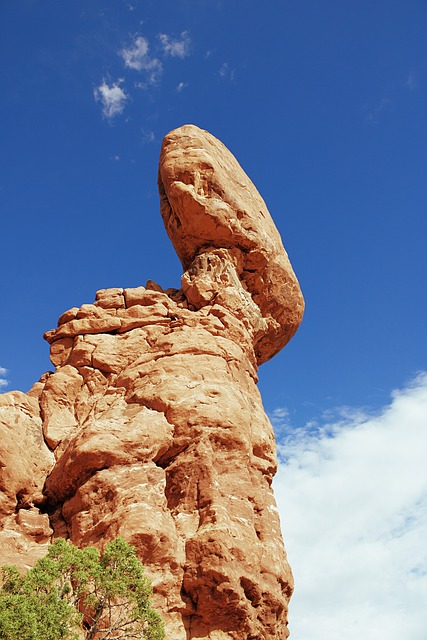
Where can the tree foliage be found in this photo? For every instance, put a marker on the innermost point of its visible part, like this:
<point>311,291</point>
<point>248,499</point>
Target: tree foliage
<point>74,593</point>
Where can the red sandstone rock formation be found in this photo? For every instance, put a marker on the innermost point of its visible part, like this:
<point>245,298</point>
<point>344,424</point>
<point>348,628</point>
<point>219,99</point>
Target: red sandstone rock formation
<point>152,426</point>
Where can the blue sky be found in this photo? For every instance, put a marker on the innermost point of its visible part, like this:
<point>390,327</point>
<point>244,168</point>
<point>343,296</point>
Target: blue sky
<point>324,104</point>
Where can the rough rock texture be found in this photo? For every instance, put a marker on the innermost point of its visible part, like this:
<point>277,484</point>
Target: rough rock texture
<point>225,238</point>
<point>25,461</point>
<point>152,426</point>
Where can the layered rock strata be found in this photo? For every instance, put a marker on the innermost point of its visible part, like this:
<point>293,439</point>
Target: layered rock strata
<point>152,426</point>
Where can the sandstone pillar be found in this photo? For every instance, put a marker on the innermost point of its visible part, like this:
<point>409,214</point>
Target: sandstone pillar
<point>153,426</point>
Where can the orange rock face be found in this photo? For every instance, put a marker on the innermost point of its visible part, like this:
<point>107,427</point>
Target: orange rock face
<point>225,238</point>
<point>152,426</point>
<point>25,462</point>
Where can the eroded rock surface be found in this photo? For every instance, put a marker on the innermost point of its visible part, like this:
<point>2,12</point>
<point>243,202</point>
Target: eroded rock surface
<point>225,238</point>
<point>152,426</point>
<point>25,462</point>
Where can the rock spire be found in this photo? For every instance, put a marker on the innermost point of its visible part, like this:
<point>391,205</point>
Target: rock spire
<point>152,426</point>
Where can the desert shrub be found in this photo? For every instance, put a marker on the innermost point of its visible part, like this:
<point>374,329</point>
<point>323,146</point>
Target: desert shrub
<point>76,593</point>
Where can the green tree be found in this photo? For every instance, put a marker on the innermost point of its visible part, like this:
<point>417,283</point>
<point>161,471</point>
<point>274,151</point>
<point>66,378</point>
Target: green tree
<point>77,593</point>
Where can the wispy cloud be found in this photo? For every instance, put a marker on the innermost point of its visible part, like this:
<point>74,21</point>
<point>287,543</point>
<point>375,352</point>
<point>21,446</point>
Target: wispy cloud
<point>3,381</point>
<point>181,85</point>
<point>175,48</point>
<point>137,57</point>
<point>226,72</point>
<point>411,81</point>
<point>374,110</point>
<point>147,136</point>
<point>112,98</point>
<point>353,501</point>
<point>280,420</point>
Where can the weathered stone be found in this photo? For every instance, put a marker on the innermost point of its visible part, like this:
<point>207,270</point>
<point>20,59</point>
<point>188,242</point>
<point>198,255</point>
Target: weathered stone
<point>57,405</point>
<point>134,296</point>
<point>25,459</point>
<point>89,311</point>
<point>25,462</point>
<point>110,298</point>
<point>102,324</point>
<point>207,200</point>
<point>60,351</point>
<point>35,524</point>
<point>154,418</point>
<point>68,315</point>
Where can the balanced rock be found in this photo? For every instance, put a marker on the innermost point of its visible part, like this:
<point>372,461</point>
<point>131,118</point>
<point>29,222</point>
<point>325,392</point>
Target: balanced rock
<point>221,229</point>
<point>152,426</point>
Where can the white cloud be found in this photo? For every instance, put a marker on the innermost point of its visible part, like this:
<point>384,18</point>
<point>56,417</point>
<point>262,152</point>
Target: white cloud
<point>175,48</point>
<point>181,85</point>
<point>3,381</point>
<point>353,501</point>
<point>112,98</point>
<point>137,57</point>
<point>280,420</point>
